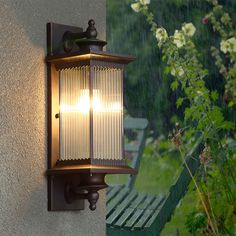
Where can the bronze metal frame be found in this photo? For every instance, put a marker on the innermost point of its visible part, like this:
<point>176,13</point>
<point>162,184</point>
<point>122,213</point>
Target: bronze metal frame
<point>70,182</point>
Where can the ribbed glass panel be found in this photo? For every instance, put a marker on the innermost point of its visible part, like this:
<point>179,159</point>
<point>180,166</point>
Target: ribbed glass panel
<point>74,113</point>
<point>107,113</point>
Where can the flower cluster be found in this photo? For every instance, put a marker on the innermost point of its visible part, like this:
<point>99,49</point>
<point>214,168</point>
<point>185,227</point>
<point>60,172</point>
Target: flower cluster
<point>161,36</point>
<point>188,29</point>
<point>179,39</point>
<point>137,6</point>
<point>228,45</point>
<point>222,24</point>
<point>177,71</point>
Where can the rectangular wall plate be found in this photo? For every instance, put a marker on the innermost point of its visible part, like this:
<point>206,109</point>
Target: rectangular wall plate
<point>55,34</point>
<point>56,183</point>
<point>56,197</point>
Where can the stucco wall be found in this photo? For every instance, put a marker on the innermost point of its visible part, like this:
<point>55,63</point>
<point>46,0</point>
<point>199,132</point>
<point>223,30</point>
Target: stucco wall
<point>23,189</point>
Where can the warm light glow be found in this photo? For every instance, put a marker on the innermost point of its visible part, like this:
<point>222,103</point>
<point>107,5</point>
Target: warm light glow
<point>83,104</point>
<point>115,107</point>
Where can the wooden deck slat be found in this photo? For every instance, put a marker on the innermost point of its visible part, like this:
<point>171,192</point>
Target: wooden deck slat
<point>134,218</point>
<point>150,221</point>
<point>148,212</point>
<point>140,209</point>
<point>119,209</point>
<point>156,212</point>
<point>128,212</point>
<point>113,192</point>
<point>116,200</point>
<point>148,201</point>
<point>141,197</point>
<point>158,200</point>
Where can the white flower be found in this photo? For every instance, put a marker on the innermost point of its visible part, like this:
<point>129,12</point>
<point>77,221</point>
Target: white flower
<point>136,6</point>
<point>179,39</point>
<point>177,71</point>
<point>161,35</point>
<point>189,29</point>
<point>228,45</point>
<point>224,46</point>
<point>145,2</point>
<point>232,42</point>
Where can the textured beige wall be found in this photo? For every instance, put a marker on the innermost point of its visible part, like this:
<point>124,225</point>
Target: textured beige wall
<point>23,189</point>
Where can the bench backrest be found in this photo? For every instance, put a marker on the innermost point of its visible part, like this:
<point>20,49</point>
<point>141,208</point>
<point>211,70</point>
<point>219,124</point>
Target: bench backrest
<point>135,133</point>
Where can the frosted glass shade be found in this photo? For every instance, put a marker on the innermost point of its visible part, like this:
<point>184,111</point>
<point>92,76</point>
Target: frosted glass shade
<point>91,113</point>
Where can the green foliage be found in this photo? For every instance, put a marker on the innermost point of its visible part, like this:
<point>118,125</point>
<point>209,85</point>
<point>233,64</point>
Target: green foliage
<point>133,38</point>
<point>144,79</point>
<point>200,78</point>
<point>204,114</point>
<point>196,223</point>
<point>164,169</point>
<point>225,57</point>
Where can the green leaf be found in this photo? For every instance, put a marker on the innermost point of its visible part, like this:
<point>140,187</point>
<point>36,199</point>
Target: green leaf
<point>231,103</point>
<point>214,95</point>
<point>232,72</point>
<point>174,85</point>
<point>167,70</point>
<point>189,133</point>
<point>187,113</point>
<point>227,125</point>
<point>179,102</point>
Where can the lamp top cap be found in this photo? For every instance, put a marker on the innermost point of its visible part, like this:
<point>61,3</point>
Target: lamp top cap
<point>85,40</point>
<point>91,30</point>
<point>71,44</point>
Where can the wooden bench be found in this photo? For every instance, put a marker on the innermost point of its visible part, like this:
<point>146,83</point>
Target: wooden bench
<point>133,213</point>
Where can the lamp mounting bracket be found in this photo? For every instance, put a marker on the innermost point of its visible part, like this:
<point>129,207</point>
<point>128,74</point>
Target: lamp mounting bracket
<point>65,39</point>
<point>85,186</point>
<point>55,34</point>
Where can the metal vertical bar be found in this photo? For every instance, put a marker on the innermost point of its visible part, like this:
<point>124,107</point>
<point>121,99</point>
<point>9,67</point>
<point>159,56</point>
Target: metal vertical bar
<point>91,78</point>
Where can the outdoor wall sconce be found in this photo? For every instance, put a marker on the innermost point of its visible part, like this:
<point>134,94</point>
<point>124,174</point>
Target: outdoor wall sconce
<point>85,105</point>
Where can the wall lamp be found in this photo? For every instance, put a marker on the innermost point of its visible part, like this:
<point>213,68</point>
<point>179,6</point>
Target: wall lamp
<point>85,113</point>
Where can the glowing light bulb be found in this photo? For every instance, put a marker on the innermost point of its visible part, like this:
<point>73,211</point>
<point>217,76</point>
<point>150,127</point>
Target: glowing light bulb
<point>83,104</point>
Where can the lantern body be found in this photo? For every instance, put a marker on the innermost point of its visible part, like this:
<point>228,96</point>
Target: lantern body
<point>85,114</point>
<point>91,114</point>
<point>87,95</point>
